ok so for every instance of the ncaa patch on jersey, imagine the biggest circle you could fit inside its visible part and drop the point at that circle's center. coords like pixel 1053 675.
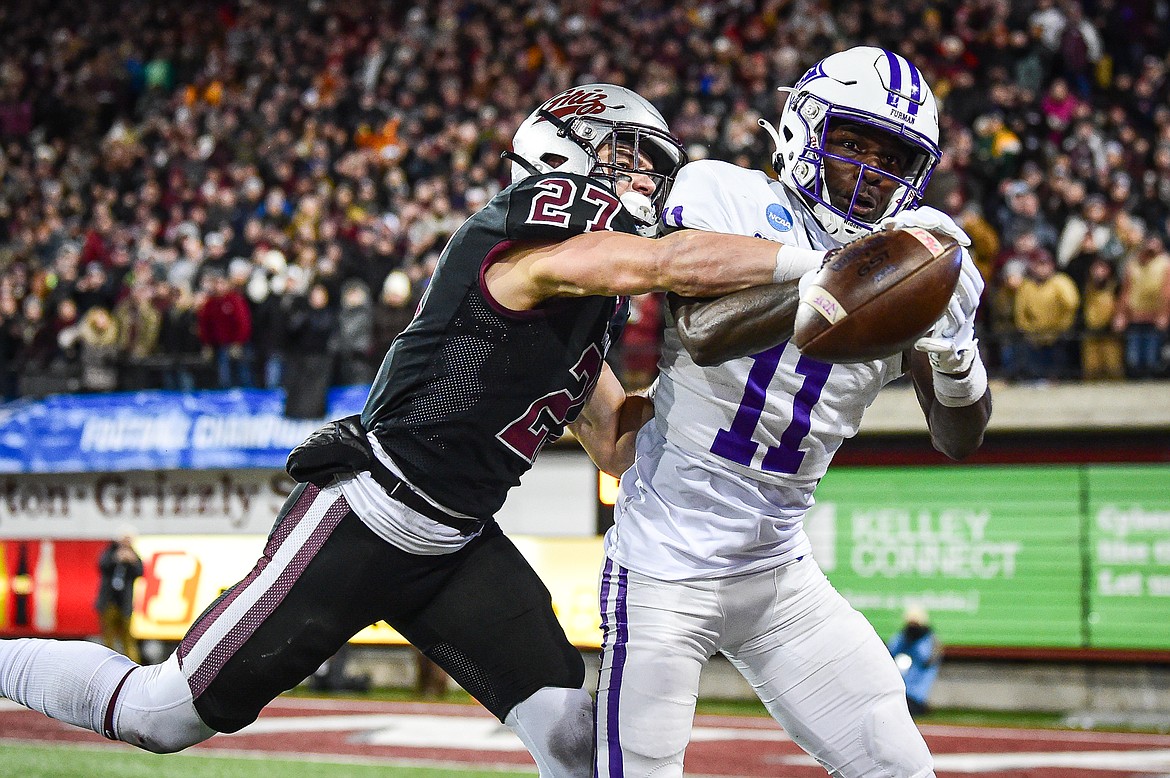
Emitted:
pixel 779 217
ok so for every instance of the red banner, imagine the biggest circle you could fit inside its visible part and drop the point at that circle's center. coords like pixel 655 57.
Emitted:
pixel 48 587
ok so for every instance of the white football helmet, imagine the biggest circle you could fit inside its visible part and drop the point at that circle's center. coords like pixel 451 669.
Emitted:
pixel 567 132
pixel 863 85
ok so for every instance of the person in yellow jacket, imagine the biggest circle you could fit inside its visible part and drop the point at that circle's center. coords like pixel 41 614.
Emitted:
pixel 1101 348
pixel 1045 312
pixel 1143 310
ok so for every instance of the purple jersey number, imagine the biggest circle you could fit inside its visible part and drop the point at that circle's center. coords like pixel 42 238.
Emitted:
pixel 736 444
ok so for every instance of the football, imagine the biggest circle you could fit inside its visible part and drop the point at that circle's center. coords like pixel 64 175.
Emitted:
pixel 877 295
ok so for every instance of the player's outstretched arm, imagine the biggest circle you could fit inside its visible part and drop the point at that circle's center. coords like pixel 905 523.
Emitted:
pixel 689 262
pixel 715 330
pixel 609 423
pixel 948 373
pixel 955 430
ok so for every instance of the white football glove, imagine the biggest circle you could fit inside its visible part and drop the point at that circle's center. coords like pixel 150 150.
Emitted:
pixel 951 344
pixel 806 280
pixel 928 219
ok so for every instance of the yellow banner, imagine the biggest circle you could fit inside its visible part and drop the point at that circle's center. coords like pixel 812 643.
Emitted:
pixel 186 573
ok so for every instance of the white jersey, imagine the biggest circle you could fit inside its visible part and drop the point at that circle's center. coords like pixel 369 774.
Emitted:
pixel 726 472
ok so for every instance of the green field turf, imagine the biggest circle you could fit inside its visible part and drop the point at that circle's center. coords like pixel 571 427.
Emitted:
pixel 28 761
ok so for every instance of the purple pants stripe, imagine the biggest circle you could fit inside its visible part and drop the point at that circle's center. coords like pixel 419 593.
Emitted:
pixel 620 633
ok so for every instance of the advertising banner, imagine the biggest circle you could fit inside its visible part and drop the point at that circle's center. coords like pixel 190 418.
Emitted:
pixel 48 588
pixel 157 430
pixel 992 553
pixel 184 574
pixel 1129 542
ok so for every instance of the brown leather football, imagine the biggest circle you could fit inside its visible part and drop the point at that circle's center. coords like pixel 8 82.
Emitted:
pixel 877 295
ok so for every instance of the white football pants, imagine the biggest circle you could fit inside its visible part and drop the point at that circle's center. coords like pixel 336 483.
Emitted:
pixel 815 662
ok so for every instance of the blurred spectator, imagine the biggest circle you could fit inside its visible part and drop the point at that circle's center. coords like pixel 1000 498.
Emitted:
pixel 1079 50
pixel 985 245
pixel 66 318
pixel 355 334
pixel 1093 223
pixel 270 305
pixel 10 346
pixel 179 340
pixel 98 351
pixel 1143 310
pixel 40 342
pixel 918 654
pixel 94 288
pixel 1006 342
pixel 997 146
pixel 1022 214
pixel 1101 348
pixel 394 312
pixel 312 324
pixel 1045 311
pixel 138 323
pixel 225 329
pixel 119 567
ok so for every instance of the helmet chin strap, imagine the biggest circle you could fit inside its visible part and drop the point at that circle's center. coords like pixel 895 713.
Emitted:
pixel 774 134
pixel 512 156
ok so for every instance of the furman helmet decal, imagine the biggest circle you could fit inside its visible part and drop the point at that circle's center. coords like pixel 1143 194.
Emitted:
pixel 577 102
pixel 913 97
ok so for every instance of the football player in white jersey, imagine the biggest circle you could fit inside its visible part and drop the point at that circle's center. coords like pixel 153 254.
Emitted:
pixel 708 553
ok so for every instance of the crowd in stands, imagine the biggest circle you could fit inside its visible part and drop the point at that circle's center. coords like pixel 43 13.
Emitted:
pixel 249 193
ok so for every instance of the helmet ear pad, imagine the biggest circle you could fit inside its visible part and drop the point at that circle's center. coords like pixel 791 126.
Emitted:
pixel 866 86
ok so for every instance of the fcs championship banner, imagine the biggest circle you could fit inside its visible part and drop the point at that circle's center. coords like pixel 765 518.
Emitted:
pixel 240 428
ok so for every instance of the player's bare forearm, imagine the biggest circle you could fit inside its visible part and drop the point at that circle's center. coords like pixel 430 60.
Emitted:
pixel 714 330
pixel 609 424
pixel 955 432
pixel 689 262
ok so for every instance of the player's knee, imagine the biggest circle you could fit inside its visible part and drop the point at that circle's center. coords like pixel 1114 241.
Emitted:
pixel 556 724
pixel 893 740
pixel 572 735
pixel 166 734
pixel 156 712
pixel 651 743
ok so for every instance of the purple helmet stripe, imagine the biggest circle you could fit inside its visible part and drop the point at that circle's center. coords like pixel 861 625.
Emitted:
pixel 915 88
pixel 895 77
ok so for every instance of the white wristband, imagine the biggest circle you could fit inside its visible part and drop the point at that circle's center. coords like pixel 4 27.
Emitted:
pixel 792 262
pixel 960 392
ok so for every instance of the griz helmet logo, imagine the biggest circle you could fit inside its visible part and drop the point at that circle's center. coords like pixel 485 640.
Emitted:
pixel 577 102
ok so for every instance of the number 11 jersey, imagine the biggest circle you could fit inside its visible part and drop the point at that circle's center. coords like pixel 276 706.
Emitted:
pixel 726 472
